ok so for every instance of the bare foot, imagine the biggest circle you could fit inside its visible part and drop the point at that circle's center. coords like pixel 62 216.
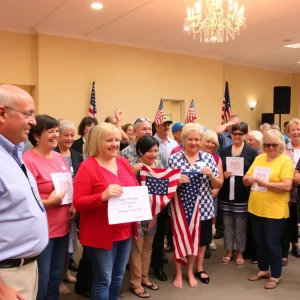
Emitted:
pixel 192 280
pixel 178 282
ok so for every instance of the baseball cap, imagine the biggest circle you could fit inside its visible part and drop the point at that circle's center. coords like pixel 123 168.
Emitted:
pixel 177 126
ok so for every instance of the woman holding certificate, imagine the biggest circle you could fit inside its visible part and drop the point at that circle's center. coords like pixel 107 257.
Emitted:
pixel 236 160
pixel 100 177
pixel 271 176
pixel 45 164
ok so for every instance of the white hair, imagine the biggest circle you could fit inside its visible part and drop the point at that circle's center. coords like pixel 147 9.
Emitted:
pixel 65 125
pixel 187 128
pixel 257 135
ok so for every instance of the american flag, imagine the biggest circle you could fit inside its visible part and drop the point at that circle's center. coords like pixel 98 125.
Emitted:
pixel 93 107
pixel 159 117
pixel 186 218
pixel 191 114
pixel 162 184
pixel 226 112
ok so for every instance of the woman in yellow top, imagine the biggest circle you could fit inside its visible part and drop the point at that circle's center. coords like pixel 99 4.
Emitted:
pixel 271 176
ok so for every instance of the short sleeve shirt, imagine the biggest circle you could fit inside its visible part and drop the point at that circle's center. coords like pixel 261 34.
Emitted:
pixel 179 161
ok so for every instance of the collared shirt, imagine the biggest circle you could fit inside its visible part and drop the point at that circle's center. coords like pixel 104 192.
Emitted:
pixel 179 161
pixel 225 140
pixel 166 147
pixel 131 154
pixel 23 224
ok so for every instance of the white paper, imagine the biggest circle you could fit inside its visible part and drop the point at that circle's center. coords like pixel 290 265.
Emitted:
pixel 262 173
pixel 63 183
pixel 132 206
pixel 235 165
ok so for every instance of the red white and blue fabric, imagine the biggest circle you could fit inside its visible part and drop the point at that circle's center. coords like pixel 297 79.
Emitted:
pixel 159 117
pixel 226 108
pixel 191 114
pixel 186 218
pixel 162 184
pixel 93 106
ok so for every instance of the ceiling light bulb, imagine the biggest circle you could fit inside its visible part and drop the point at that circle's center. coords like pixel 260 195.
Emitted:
pixel 96 5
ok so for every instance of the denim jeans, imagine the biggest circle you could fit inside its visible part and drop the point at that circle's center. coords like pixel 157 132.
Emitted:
pixel 108 267
pixel 267 234
pixel 50 266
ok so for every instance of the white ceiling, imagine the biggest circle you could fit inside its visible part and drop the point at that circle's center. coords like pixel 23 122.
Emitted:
pixel 158 25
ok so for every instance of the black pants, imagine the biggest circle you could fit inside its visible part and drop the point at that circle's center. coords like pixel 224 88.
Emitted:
pixel 219 220
pixel 267 234
pixel 250 243
pixel 157 258
pixel 84 275
pixel 290 234
pixel 169 233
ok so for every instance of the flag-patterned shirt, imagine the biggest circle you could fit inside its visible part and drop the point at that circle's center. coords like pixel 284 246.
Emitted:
pixel 179 161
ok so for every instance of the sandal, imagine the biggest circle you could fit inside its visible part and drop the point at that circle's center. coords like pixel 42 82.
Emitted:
pixel 142 294
pixel 240 262
pixel 226 260
pixel 259 276
pixel 152 286
pixel 271 284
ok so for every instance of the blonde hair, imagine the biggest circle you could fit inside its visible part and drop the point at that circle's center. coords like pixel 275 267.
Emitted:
pixel 273 133
pixel 96 136
pixel 292 122
pixel 210 135
pixel 187 128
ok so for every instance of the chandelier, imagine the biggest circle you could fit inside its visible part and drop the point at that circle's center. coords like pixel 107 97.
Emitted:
pixel 210 22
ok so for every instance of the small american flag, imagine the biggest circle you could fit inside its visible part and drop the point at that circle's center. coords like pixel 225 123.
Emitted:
pixel 186 218
pixel 191 114
pixel 93 107
pixel 159 117
pixel 226 111
pixel 162 184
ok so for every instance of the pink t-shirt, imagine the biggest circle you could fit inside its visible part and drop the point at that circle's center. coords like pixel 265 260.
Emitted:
pixel 41 168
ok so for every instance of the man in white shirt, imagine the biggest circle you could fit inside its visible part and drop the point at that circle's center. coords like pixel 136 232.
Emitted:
pixel 166 144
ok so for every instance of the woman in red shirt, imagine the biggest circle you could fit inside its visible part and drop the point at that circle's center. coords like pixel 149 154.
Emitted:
pixel 100 177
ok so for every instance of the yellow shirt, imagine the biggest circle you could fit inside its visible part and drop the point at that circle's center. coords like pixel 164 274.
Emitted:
pixel 270 204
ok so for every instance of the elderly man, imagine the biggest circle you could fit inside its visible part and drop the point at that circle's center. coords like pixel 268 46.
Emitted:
pixel 141 127
pixel 23 223
pixel 254 139
pixel 176 130
pixel 264 127
pixel 166 144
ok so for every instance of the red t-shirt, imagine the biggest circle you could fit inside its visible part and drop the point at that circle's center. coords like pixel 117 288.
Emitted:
pixel 41 169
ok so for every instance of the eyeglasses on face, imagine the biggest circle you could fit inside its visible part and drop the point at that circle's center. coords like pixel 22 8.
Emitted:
pixel 237 134
pixel 271 145
pixel 141 120
pixel 27 115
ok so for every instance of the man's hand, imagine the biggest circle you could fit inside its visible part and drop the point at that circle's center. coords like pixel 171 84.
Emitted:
pixel 118 115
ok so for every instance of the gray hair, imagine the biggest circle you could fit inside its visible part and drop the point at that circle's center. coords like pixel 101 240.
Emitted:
pixel 264 125
pixel 257 135
pixel 65 125
pixel 5 97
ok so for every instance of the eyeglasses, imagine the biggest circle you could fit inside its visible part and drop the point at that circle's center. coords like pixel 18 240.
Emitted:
pixel 27 115
pixel 237 133
pixel 274 146
pixel 141 120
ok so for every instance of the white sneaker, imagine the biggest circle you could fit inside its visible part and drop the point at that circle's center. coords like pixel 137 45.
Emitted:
pixel 212 246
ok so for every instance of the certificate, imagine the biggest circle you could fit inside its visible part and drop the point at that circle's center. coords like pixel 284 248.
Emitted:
pixel 235 165
pixel 63 183
pixel 132 206
pixel 262 173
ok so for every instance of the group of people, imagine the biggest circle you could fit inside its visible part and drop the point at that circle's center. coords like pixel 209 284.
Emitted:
pixel 245 181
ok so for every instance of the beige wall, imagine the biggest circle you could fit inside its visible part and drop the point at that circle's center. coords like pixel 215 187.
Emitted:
pixel 61 71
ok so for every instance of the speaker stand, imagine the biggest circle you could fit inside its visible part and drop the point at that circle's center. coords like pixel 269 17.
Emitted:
pixel 280 121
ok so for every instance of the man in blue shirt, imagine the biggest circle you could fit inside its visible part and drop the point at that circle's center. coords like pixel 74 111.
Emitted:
pixel 23 223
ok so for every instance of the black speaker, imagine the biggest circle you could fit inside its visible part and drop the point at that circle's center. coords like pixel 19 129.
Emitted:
pixel 267 118
pixel 282 100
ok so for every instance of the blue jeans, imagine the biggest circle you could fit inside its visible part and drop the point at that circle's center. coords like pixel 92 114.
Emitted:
pixel 108 267
pixel 50 266
pixel 267 235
